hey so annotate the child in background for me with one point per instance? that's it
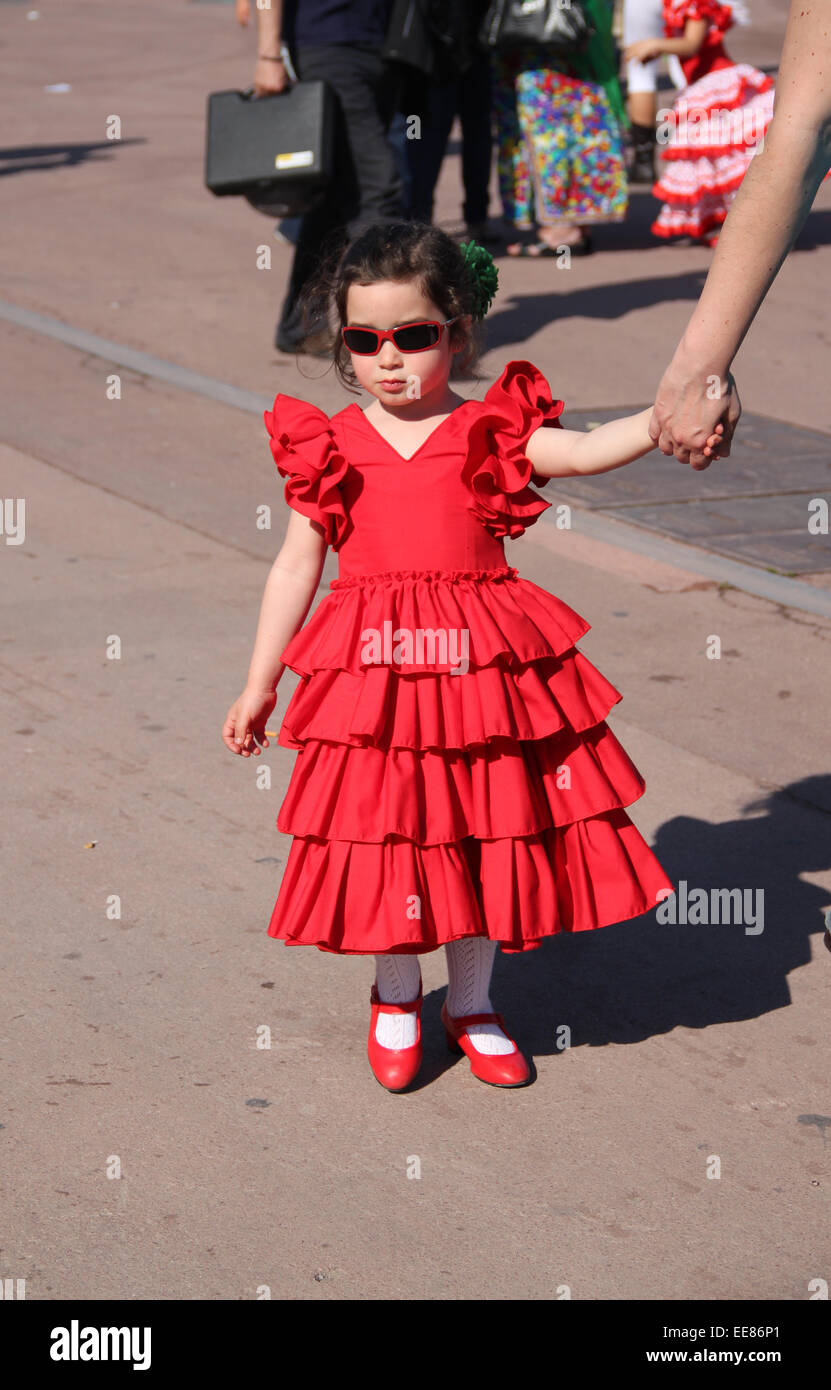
(716, 125)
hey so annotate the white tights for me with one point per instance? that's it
(469, 968)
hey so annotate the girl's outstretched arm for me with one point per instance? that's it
(289, 590)
(561, 453)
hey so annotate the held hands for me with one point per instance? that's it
(686, 411)
(711, 451)
(714, 442)
(245, 721)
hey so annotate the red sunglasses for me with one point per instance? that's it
(411, 337)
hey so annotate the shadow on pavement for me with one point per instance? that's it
(625, 983)
(47, 157)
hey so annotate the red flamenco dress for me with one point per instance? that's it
(717, 126)
(428, 805)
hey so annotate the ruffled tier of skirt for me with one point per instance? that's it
(355, 898)
(497, 791)
(717, 127)
(426, 806)
(440, 711)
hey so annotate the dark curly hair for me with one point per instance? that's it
(392, 251)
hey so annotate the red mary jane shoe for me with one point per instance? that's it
(498, 1069)
(395, 1068)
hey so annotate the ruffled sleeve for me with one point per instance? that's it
(496, 470)
(305, 452)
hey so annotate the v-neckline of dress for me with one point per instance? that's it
(408, 458)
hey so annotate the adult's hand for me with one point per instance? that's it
(688, 406)
(270, 76)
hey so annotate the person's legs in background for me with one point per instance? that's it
(397, 137)
(599, 191)
(369, 92)
(318, 227)
(577, 158)
(513, 165)
(475, 97)
(366, 187)
(642, 19)
(546, 117)
(434, 103)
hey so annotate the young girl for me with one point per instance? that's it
(456, 783)
(717, 124)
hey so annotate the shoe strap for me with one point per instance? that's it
(467, 1019)
(383, 1008)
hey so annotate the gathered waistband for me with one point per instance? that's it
(427, 576)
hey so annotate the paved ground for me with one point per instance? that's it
(135, 1037)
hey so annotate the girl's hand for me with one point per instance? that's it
(711, 447)
(643, 50)
(243, 10)
(245, 721)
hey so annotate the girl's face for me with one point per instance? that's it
(397, 378)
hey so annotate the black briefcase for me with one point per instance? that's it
(276, 151)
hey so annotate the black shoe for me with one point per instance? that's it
(643, 166)
(583, 247)
(482, 233)
(284, 344)
(307, 347)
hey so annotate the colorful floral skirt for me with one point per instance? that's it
(560, 152)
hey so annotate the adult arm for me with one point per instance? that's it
(270, 74)
(768, 213)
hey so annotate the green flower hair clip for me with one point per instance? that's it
(482, 276)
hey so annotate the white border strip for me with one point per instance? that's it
(776, 587)
(132, 358)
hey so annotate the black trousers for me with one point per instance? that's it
(438, 103)
(367, 184)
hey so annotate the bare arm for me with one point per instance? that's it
(771, 207)
(695, 32)
(289, 590)
(561, 453)
(269, 76)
